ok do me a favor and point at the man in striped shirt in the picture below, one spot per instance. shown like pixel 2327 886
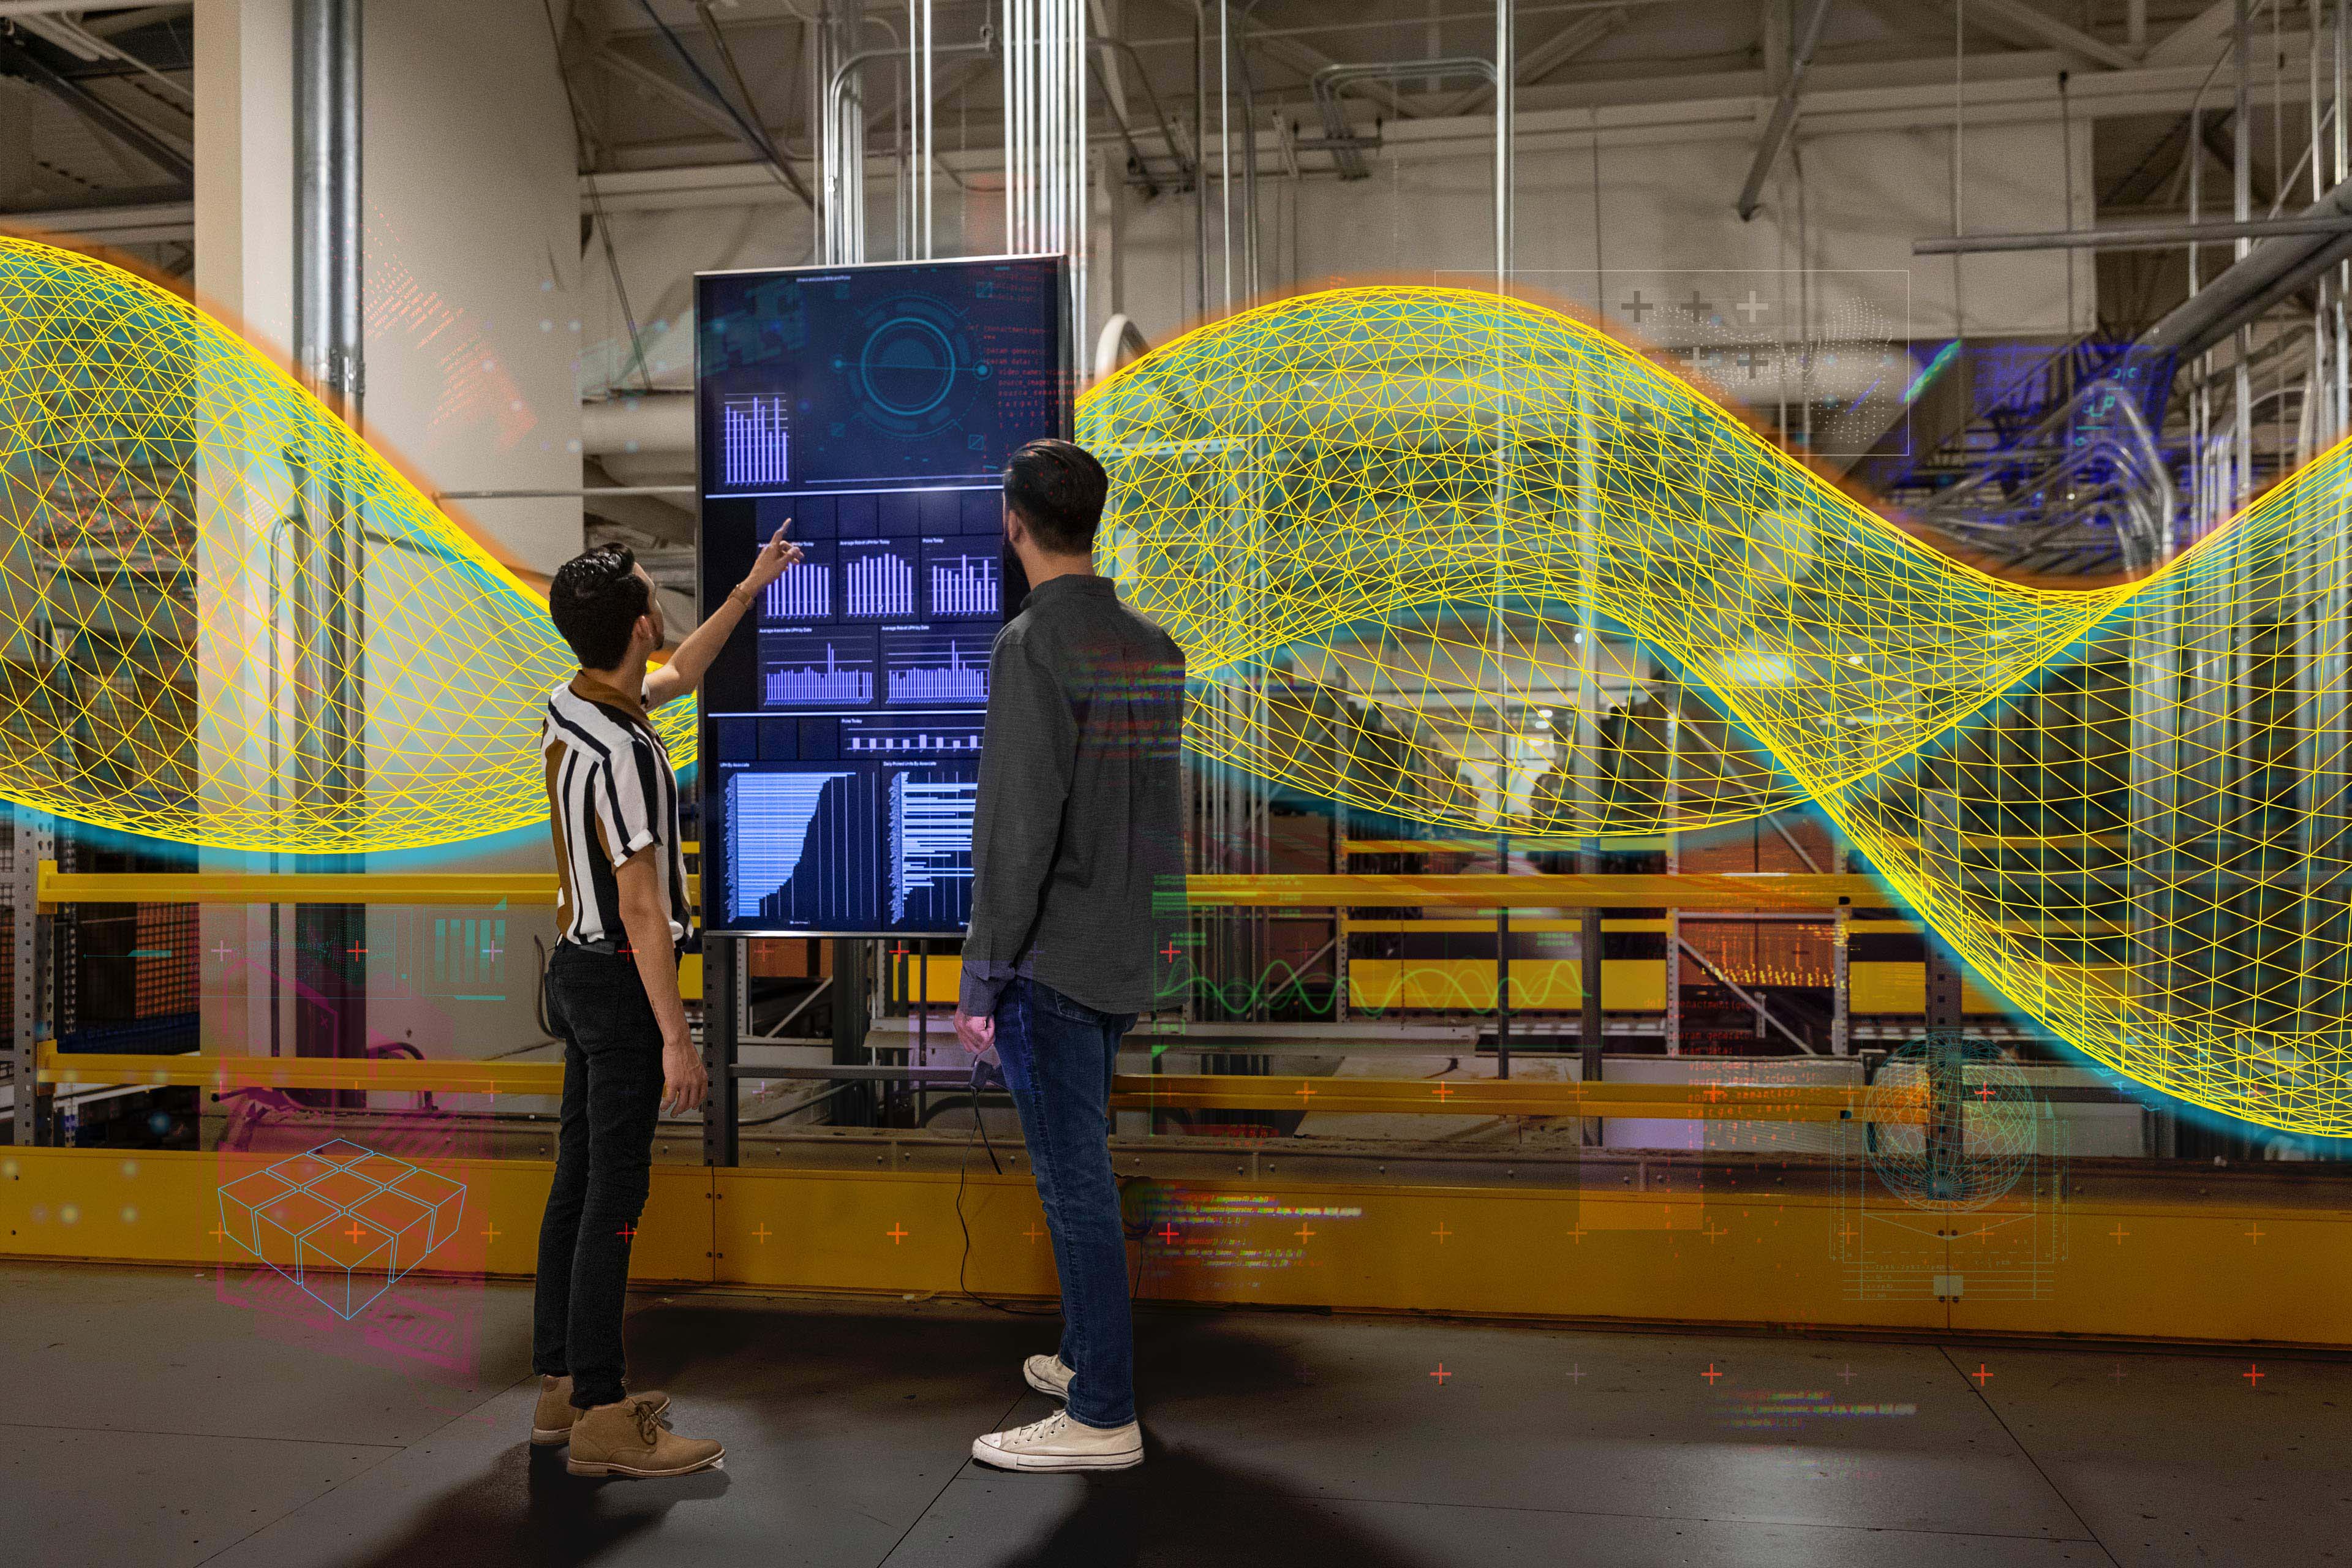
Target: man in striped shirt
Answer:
pixel 611 993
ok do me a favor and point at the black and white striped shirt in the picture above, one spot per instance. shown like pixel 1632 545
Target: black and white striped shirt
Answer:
pixel 611 796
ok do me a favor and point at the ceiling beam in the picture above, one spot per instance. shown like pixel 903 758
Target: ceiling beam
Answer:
pixel 751 134
pixel 1784 111
pixel 639 73
pixel 2196 41
pixel 2221 140
pixel 1581 34
pixel 1306 59
pixel 2020 22
pixel 20 62
pixel 945 86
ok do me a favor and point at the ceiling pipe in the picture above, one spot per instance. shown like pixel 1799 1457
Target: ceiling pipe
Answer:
pixel 2274 269
pixel 2150 237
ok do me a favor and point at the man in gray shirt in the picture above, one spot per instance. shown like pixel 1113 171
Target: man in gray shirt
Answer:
pixel 1078 888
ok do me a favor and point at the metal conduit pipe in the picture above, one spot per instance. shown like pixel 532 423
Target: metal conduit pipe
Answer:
pixel 330 626
pixel 1507 108
pixel 2274 269
pixel 1327 83
pixel 842 150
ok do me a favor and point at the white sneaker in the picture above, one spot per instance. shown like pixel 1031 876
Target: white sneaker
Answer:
pixel 1058 1443
pixel 1046 1375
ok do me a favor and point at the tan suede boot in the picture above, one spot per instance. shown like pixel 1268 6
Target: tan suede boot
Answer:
pixel 550 1424
pixel 628 1439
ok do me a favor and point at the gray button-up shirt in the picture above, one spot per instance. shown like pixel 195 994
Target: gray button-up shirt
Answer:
pixel 1077 843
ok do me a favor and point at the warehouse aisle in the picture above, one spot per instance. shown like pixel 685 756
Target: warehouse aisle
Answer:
pixel 222 1426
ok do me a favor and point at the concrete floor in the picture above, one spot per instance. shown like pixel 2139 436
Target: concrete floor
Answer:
pixel 163 1418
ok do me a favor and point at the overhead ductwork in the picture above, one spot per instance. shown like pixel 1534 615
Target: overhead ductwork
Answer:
pixel 2271 271
pixel 639 423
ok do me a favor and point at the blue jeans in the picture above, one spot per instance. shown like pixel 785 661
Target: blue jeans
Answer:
pixel 1058 1056
pixel 604 1159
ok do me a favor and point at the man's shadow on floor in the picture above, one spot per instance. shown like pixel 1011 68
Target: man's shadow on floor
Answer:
pixel 1179 1508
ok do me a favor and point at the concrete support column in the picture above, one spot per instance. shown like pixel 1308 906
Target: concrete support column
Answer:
pixel 467 314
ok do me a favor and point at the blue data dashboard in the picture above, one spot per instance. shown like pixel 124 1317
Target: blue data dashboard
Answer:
pixel 870 410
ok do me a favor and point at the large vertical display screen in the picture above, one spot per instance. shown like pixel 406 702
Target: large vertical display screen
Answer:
pixel 873 407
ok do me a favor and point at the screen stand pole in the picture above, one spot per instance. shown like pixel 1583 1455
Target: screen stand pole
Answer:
pixel 854 1105
pixel 722 1014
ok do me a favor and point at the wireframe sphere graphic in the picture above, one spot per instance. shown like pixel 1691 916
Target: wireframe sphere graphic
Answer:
pixel 1998 1118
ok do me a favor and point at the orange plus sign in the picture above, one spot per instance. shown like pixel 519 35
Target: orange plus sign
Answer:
pixel 1442 1091
pixel 355 1233
pixel 1577 1236
pixel 490 1233
pixel 2119 1233
pixel 1712 1233
pixel 1032 1233
pixel 1441 1374
pixel 896 1233
pixel 1711 1374
pixel 1441 1233
pixel 1304 1231
pixel 2256 1235
pixel 763 1232
pixel 1980 1374
pixel 1306 1092
pixel 217 1234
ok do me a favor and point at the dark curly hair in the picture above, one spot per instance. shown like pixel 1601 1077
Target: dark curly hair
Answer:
pixel 1058 489
pixel 595 600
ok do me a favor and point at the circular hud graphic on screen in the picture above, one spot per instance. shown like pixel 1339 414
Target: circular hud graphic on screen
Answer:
pixel 917 367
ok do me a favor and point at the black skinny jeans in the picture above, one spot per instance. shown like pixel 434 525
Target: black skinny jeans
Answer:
pixel 603 1156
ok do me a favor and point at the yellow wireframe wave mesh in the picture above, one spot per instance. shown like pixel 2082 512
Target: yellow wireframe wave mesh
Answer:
pixel 184 530
pixel 1380 521
pixel 1463 561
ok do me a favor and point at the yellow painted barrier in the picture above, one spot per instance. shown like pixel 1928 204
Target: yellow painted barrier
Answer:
pixel 2183 1271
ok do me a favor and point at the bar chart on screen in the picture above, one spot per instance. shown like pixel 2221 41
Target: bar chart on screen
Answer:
pixel 929 846
pixel 963 583
pixel 753 441
pixel 930 665
pixel 879 581
pixel 802 849
pixel 805 592
pixel 820 667
pixel 925 735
